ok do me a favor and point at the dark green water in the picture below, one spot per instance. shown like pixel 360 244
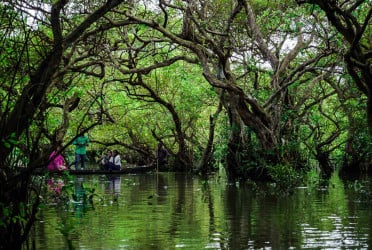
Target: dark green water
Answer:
pixel 177 211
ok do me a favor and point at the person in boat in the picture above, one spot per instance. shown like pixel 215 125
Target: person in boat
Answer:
pixel 105 159
pixel 56 160
pixel 115 161
pixel 81 142
pixel 161 155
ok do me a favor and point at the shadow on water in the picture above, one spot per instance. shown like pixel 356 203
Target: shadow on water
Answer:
pixel 170 210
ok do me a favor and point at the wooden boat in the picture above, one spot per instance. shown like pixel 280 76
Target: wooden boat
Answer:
pixel 124 170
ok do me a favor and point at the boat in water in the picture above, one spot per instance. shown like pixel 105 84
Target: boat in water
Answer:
pixel 124 170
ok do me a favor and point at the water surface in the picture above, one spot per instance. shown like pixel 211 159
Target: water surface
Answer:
pixel 179 211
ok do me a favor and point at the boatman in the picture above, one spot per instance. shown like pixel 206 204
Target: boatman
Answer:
pixel 81 143
pixel 161 155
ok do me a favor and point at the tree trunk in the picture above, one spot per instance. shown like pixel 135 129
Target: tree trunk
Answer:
pixel 323 160
pixel 233 146
pixel 260 123
pixel 239 158
pixel 27 104
pixel 15 231
pixel 369 110
pixel 205 164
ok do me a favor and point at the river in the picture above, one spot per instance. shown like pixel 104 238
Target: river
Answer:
pixel 180 211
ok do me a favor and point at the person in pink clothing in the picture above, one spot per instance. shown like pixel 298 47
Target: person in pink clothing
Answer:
pixel 56 160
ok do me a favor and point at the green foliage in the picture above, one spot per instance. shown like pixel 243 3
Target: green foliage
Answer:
pixel 285 175
pixel 9 217
pixel 5 215
pixel 361 148
pixel 221 139
pixel 181 84
pixel 10 141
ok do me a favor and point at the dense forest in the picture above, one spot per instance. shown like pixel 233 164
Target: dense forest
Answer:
pixel 264 89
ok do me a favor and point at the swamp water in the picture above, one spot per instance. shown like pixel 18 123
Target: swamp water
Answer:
pixel 178 211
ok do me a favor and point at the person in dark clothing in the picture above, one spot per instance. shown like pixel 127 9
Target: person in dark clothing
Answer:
pixel 104 161
pixel 161 155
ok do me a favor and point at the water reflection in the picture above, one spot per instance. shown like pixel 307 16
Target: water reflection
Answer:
pixel 159 196
pixel 82 197
pixel 168 211
pixel 113 186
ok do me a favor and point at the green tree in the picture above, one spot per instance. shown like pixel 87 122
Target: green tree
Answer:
pixel 247 63
pixel 352 21
pixel 36 45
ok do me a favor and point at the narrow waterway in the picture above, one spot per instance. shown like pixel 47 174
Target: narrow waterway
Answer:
pixel 178 211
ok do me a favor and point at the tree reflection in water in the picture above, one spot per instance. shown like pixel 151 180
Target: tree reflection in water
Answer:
pixel 170 210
